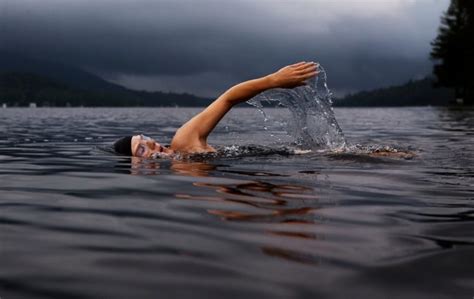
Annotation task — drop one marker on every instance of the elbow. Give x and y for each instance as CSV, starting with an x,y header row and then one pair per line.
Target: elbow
x,y
229,100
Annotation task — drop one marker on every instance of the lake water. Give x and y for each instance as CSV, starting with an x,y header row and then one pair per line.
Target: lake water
x,y
256,222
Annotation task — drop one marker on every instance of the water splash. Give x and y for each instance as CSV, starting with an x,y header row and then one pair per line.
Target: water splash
x,y
312,123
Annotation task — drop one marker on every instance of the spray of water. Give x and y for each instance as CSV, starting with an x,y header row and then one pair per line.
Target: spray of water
x,y
312,122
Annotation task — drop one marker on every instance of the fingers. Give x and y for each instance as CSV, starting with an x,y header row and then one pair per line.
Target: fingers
x,y
298,64
309,75
306,65
308,72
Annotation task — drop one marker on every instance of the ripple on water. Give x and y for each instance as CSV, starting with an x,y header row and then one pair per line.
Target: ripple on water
x,y
256,221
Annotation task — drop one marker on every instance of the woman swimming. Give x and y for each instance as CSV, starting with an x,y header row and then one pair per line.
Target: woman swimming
x,y
192,136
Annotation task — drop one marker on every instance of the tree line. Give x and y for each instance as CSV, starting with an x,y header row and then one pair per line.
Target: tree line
x,y
453,51
412,93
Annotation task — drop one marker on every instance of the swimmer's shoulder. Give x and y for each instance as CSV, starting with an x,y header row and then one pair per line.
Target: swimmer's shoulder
x,y
191,147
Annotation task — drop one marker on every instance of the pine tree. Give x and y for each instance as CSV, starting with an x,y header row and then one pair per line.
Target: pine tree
x,y
453,50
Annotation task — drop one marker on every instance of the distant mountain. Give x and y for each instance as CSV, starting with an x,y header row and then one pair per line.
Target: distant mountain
x,y
24,80
70,75
413,93
20,89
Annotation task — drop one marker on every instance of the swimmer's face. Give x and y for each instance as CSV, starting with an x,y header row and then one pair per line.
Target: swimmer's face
x,y
145,147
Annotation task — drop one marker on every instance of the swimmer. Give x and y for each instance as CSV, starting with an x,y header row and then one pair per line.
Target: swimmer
x,y
192,136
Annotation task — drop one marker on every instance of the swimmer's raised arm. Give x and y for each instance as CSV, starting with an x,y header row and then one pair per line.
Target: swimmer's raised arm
x,y
193,134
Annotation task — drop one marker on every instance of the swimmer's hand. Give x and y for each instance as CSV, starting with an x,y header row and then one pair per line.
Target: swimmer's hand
x,y
293,75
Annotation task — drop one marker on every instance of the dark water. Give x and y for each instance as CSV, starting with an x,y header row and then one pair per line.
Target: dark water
x,y
257,222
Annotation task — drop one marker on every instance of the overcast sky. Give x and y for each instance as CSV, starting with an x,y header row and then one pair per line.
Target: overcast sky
x,y
204,46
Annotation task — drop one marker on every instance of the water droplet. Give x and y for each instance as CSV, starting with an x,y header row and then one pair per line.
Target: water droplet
x,y
313,123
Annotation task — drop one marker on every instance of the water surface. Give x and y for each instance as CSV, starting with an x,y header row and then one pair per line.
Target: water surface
x,y
257,222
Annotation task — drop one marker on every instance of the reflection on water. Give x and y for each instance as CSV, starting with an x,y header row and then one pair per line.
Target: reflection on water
x,y
257,221
284,204
290,205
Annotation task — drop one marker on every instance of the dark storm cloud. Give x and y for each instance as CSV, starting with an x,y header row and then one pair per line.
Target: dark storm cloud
x,y
203,46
